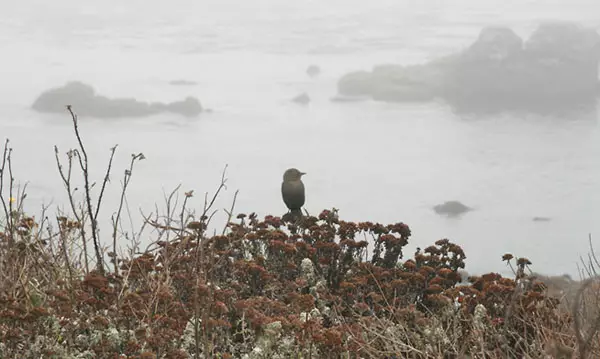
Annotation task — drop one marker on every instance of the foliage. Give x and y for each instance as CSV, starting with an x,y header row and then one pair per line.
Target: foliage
x,y
319,287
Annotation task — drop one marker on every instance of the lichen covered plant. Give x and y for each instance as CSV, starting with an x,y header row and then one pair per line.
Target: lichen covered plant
x,y
269,289
319,287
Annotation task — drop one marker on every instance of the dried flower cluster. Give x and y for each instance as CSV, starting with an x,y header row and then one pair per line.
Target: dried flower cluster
x,y
268,289
319,287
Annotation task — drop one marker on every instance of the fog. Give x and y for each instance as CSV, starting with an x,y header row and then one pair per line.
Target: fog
x,y
245,61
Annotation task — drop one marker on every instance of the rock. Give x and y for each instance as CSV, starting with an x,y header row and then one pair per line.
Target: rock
x,y
489,70
557,65
313,71
494,44
358,83
557,39
394,83
556,68
189,107
302,99
451,208
398,84
86,102
570,53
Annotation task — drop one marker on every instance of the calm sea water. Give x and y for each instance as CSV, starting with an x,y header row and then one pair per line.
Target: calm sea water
x,y
373,161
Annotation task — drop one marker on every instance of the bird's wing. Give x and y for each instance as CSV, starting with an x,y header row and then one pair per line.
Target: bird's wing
x,y
293,194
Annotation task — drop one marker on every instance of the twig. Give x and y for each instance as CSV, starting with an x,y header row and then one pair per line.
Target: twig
x,y
106,179
182,219
66,178
126,179
583,342
63,241
170,208
593,256
6,212
10,192
84,167
230,212
43,221
199,263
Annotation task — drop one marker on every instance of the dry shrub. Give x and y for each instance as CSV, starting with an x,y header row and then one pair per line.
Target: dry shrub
x,y
315,278
265,288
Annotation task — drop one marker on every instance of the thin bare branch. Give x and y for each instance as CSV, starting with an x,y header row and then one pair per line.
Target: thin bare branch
x,y
84,163
126,179
105,181
2,171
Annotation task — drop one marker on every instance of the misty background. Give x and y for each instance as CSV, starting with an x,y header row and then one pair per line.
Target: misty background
x,y
373,161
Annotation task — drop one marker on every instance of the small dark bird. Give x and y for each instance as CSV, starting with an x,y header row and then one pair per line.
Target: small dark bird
x,y
292,191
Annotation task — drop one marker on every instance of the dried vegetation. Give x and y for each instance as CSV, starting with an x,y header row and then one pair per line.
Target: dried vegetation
x,y
262,288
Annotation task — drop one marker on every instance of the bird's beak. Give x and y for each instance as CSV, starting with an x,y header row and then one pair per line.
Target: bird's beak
x,y
302,173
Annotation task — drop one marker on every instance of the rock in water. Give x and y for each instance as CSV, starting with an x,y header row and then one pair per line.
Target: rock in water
x,y
357,83
189,107
86,102
302,99
313,71
555,69
451,208
494,44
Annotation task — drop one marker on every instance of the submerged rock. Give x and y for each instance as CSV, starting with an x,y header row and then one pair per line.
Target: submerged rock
x,y
451,208
86,102
357,83
557,66
302,99
190,106
313,71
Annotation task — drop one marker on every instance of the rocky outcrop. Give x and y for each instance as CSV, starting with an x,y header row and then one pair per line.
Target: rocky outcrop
x,y
302,99
556,66
313,70
395,83
86,102
451,208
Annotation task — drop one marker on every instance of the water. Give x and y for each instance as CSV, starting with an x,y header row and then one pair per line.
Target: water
x,y
373,161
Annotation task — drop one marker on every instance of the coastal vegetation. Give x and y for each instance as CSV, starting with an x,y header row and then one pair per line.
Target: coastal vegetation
x,y
260,287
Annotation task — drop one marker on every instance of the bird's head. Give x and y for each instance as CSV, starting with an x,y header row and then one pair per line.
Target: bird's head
x,y
292,174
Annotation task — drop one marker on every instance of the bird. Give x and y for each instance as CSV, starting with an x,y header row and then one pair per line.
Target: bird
x,y
292,191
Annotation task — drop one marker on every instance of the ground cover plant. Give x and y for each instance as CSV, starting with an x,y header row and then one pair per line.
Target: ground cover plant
x,y
262,287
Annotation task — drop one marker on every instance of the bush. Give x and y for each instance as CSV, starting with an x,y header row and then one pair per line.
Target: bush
x,y
264,288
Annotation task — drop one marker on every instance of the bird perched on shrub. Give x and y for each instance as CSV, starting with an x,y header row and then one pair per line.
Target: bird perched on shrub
x,y
292,191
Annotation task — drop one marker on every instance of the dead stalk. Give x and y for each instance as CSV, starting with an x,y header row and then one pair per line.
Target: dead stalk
x,y
126,179
7,208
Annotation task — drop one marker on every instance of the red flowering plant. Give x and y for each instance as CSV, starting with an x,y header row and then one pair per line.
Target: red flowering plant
x,y
317,286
